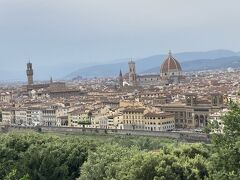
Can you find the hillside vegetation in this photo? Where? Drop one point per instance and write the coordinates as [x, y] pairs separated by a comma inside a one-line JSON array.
[[37, 156]]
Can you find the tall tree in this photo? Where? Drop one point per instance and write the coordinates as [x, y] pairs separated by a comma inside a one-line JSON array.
[[225, 161]]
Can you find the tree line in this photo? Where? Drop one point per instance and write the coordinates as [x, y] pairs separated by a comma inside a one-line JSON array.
[[30, 155]]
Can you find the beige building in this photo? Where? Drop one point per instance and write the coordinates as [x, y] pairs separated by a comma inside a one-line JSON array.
[[140, 118], [34, 116], [79, 118], [159, 121], [194, 113], [170, 73], [21, 117], [117, 121], [6, 97], [62, 121], [8, 116]]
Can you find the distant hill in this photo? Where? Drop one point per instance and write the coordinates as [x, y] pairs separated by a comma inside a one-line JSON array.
[[152, 63], [205, 64]]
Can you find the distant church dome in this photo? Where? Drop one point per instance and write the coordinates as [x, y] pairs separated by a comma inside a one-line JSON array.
[[170, 66]]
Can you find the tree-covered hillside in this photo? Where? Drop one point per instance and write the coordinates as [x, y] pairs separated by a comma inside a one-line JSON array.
[[37, 156]]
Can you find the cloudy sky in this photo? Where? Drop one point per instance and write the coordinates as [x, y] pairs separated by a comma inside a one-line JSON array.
[[75, 33]]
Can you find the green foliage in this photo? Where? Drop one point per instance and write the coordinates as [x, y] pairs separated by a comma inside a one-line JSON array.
[[36, 156], [41, 156], [225, 161], [115, 162]]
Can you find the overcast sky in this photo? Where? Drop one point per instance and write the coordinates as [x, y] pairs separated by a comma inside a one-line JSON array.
[[51, 32]]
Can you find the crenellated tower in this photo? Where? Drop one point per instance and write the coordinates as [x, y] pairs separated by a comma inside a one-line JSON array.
[[29, 72]]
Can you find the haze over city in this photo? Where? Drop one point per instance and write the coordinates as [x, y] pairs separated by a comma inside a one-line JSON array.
[[60, 37], [119, 89]]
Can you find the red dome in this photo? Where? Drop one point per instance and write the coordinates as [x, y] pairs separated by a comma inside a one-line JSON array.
[[170, 64]]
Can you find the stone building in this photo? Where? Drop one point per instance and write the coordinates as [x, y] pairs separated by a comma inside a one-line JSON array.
[[194, 112], [29, 72], [6, 97], [170, 73], [79, 118], [53, 89], [21, 116], [171, 70], [132, 75], [139, 118], [49, 116], [34, 116], [8, 116], [149, 79], [159, 121]]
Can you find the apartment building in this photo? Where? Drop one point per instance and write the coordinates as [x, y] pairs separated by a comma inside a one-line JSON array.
[[140, 118], [79, 118], [8, 116], [21, 117]]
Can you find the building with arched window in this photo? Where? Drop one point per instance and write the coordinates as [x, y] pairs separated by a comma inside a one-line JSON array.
[[194, 113]]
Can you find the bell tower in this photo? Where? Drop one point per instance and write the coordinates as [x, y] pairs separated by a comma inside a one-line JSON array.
[[29, 72], [120, 79], [132, 73]]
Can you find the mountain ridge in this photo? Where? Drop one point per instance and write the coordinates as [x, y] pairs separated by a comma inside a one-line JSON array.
[[144, 65], [204, 64]]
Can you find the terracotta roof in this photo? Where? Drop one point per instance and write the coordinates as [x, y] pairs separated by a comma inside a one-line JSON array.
[[170, 64]]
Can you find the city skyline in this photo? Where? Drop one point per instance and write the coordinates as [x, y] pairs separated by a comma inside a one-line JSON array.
[[119, 89], [82, 33]]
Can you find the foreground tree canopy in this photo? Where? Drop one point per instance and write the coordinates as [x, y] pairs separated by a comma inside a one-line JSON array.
[[29, 155]]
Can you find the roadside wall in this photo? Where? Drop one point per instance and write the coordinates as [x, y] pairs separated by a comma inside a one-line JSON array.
[[183, 136]]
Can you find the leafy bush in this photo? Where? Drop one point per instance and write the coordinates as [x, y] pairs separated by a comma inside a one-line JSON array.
[[37, 156]]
